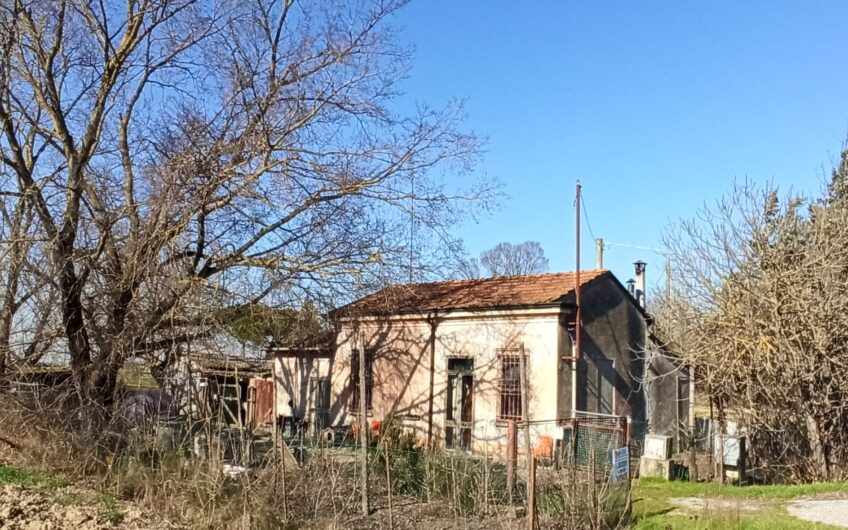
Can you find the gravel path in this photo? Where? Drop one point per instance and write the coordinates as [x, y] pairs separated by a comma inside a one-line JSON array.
[[833, 512]]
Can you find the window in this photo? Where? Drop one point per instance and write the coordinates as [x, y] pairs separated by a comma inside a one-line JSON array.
[[510, 385], [321, 401], [354, 379]]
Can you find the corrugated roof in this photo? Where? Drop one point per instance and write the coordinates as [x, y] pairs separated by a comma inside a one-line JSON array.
[[483, 293], [230, 363]]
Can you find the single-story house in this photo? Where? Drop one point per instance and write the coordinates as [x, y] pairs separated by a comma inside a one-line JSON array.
[[234, 389], [444, 359]]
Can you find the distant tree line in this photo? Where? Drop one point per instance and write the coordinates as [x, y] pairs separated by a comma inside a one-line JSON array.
[[506, 259]]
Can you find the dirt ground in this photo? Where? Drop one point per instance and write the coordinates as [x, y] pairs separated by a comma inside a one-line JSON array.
[[828, 511], [831, 511], [32, 509]]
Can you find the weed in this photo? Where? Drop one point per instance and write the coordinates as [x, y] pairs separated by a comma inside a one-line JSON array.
[[29, 478]]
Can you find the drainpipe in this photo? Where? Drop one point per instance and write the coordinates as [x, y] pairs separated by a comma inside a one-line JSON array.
[[431, 318]]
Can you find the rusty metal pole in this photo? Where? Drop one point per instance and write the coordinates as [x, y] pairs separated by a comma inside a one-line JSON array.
[[432, 397], [389, 486], [284, 453], [363, 427], [525, 419], [531, 496], [511, 456]]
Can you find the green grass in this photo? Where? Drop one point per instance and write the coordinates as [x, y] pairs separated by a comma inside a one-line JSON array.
[[30, 479], [711, 489], [652, 508]]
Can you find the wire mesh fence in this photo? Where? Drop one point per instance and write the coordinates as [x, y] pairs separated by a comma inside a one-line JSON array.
[[322, 473], [572, 480]]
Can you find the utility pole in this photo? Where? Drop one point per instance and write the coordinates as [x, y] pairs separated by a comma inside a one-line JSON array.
[[599, 253], [576, 355]]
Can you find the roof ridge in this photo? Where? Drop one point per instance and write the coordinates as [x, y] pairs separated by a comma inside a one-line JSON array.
[[500, 291], [496, 278]]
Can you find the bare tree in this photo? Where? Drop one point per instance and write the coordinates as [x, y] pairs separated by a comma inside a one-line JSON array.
[[508, 259], [760, 308], [181, 156], [27, 319], [468, 269]]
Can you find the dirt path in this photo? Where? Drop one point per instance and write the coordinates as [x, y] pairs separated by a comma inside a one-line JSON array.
[[698, 504], [32, 509], [829, 511]]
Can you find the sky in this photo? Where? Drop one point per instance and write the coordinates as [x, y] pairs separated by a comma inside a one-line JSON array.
[[656, 107]]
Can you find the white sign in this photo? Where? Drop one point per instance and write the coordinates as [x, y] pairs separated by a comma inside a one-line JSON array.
[[734, 449], [657, 447], [620, 464]]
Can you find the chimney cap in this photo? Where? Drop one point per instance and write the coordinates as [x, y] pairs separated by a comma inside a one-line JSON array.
[[640, 266], [631, 281]]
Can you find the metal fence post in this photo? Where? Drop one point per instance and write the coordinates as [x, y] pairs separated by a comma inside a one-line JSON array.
[[511, 456], [531, 495]]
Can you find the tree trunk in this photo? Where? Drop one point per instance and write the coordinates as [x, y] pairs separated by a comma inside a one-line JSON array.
[[817, 446], [79, 345]]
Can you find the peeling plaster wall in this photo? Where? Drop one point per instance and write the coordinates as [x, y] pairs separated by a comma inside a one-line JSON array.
[[402, 370], [292, 379], [614, 329]]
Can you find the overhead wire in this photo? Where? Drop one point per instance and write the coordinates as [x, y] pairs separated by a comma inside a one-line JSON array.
[[586, 215]]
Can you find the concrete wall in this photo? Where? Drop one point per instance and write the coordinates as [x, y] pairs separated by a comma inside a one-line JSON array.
[[613, 329], [292, 375], [650, 386], [405, 347], [667, 391]]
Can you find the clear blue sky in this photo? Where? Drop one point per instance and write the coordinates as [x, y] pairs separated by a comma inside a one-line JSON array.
[[655, 106]]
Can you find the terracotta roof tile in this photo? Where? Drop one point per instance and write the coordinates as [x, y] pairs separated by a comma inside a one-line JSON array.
[[484, 293]]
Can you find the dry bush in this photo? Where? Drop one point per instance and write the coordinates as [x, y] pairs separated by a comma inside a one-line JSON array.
[[155, 467], [759, 308], [582, 498]]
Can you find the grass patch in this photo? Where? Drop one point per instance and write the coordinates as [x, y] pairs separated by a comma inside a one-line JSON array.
[[107, 503], [653, 509], [45, 482], [30, 479], [660, 487], [723, 520]]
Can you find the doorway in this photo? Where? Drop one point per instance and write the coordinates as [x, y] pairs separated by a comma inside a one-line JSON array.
[[459, 410], [321, 400]]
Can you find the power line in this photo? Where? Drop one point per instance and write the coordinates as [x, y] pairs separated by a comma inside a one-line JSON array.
[[637, 247], [586, 216], [611, 243]]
